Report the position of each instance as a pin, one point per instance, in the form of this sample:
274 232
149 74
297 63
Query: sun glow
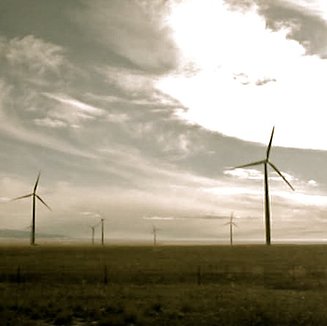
240 78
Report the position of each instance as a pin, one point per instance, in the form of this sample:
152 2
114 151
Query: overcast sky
136 110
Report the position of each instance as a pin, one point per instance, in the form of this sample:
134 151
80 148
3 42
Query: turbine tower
265 163
231 225
102 231
34 196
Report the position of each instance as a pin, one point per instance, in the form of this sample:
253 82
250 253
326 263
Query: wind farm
183 148
169 271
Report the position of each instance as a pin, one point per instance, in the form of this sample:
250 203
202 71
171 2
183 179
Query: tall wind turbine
231 225
265 163
34 196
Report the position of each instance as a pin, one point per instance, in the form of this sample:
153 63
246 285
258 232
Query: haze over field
135 110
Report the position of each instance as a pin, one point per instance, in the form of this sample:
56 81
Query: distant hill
18 234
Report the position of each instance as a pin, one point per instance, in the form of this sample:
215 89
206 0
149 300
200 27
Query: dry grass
209 285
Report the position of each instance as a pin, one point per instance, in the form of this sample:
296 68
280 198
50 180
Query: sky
136 111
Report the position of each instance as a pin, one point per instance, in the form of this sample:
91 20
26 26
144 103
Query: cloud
217 101
86 108
130 81
313 183
70 111
132 30
264 81
31 66
30 58
159 218
306 22
15 128
251 174
52 123
117 118
312 7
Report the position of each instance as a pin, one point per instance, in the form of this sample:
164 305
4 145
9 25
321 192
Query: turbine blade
270 142
281 175
250 164
37 182
42 201
21 197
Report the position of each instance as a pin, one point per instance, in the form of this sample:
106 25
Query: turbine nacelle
34 194
231 221
267 162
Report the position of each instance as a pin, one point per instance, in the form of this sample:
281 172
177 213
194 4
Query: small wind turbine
265 163
102 231
231 225
93 231
34 196
154 231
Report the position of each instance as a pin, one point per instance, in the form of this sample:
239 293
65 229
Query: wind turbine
93 230
102 229
231 225
34 196
154 231
265 163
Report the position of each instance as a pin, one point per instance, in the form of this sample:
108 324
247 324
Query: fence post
105 275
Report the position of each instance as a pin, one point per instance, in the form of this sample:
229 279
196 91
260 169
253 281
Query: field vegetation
167 285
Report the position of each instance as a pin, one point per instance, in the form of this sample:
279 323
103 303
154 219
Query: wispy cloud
133 83
15 128
313 7
31 58
74 103
245 174
119 117
52 123
159 218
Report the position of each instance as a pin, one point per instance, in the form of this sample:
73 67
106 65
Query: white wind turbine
93 231
34 196
154 231
265 163
231 224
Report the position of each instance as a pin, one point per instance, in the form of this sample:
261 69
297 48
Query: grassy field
170 285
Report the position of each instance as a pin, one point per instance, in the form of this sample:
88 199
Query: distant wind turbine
231 225
93 231
154 231
34 196
265 163
102 231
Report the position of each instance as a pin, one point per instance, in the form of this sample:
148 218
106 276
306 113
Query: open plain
166 285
